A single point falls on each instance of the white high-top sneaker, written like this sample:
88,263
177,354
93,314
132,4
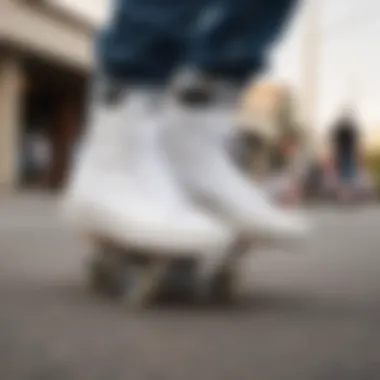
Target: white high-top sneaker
196,139
121,188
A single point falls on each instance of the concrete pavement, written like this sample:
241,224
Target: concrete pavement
310,316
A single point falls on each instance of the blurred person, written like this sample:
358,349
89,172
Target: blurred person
37,157
365,185
346,154
42,155
314,182
330,181
154,152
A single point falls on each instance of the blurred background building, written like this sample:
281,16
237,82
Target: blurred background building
329,55
45,59
326,60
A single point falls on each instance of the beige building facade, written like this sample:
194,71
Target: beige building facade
44,54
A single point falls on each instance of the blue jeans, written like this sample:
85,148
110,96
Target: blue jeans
149,39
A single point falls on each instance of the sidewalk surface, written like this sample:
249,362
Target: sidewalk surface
311,316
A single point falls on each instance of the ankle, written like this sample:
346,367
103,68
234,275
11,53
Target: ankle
201,90
111,93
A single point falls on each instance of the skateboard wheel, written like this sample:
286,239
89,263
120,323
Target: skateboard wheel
106,274
139,285
180,279
132,278
224,287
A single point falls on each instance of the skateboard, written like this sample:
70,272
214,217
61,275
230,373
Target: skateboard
140,279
